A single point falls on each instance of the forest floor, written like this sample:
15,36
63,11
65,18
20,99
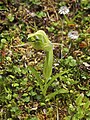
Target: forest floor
24,93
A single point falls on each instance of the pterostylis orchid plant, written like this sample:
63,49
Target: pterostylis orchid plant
40,41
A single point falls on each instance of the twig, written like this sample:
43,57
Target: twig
57,114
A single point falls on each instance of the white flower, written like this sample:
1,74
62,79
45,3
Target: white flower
73,35
64,10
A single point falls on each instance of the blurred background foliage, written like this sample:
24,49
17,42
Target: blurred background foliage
20,95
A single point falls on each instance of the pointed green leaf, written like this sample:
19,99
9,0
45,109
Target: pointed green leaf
37,76
86,105
60,91
79,99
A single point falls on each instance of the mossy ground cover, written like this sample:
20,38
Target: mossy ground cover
66,95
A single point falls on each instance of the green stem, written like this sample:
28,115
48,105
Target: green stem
47,70
66,18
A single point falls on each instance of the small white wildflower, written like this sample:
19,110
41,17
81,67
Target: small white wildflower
64,10
73,35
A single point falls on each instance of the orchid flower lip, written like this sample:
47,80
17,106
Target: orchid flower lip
73,35
64,10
